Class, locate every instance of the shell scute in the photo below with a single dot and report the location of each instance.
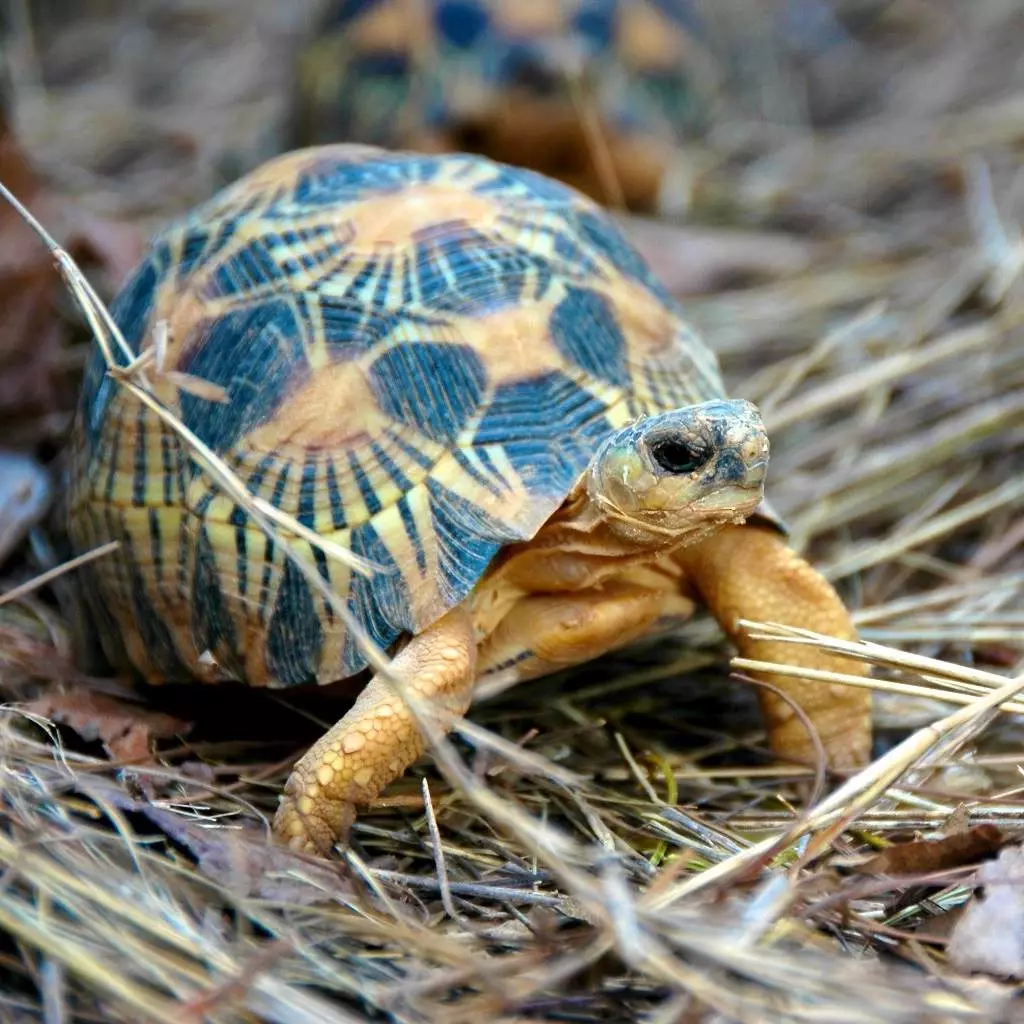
(460, 270)
(585, 329)
(467, 540)
(511, 424)
(212, 624)
(425, 392)
(295, 635)
(256, 354)
(381, 602)
(434, 387)
(603, 236)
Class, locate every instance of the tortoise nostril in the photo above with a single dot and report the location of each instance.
(676, 456)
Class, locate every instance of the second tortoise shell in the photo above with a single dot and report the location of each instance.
(416, 356)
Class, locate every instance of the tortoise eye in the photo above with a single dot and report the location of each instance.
(675, 456)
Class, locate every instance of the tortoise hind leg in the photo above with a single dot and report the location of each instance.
(748, 572)
(378, 738)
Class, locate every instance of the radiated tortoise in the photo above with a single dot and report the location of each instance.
(462, 373)
(597, 93)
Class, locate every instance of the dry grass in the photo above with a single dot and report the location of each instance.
(614, 844)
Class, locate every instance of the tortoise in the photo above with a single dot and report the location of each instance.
(461, 372)
(493, 77)
(611, 96)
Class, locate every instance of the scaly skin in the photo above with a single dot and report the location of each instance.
(378, 739)
(748, 572)
(739, 572)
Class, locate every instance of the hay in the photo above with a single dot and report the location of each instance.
(614, 844)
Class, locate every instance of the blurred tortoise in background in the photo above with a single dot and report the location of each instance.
(460, 372)
(509, 79)
(606, 95)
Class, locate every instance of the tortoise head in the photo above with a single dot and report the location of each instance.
(681, 472)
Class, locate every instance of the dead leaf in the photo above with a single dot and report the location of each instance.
(34, 384)
(989, 937)
(927, 856)
(126, 731)
(241, 858)
(249, 864)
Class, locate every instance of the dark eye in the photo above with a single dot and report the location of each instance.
(676, 456)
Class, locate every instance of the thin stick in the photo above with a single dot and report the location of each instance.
(436, 848)
(43, 578)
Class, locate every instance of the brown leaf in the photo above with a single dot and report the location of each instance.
(125, 730)
(926, 856)
(33, 374)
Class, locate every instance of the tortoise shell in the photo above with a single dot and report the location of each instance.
(416, 356)
(490, 76)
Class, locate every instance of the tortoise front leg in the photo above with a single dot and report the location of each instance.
(545, 633)
(378, 738)
(748, 572)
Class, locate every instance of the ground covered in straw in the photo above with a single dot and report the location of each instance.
(615, 844)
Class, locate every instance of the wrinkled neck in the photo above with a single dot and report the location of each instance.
(586, 523)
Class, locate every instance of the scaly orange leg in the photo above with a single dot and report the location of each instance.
(748, 572)
(548, 632)
(378, 738)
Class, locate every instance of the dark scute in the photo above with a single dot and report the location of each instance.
(549, 408)
(256, 355)
(549, 428)
(393, 470)
(433, 387)
(193, 246)
(460, 270)
(333, 180)
(413, 533)
(133, 306)
(338, 519)
(363, 482)
(213, 628)
(461, 23)
(380, 602)
(351, 326)
(604, 236)
(530, 184)
(251, 268)
(467, 539)
(131, 311)
(284, 469)
(97, 391)
(595, 23)
(488, 481)
(294, 635)
(584, 327)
